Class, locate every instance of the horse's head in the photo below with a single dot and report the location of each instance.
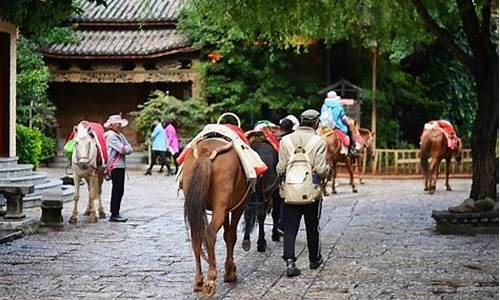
(354, 128)
(82, 155)
(367, 136)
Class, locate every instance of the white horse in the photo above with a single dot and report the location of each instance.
(84, 164)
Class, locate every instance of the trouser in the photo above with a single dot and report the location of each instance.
(117, 189)
(291, 221)
(163, 157)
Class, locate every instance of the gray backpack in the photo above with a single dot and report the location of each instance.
(298, 187)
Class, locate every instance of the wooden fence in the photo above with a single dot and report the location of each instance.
(398, 161)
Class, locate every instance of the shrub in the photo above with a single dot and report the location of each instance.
(29, 145)
(33, 147)
(189, 116)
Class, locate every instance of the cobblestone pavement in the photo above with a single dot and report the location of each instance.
(378, 244)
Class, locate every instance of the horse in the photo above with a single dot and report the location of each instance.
(366, 138)
(84, 163)
(266, 194)
(213, 178)
(434, 145)
(333, 156)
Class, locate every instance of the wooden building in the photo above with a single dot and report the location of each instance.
(121, 53)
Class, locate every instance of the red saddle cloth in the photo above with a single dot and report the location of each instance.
(447, 128)
(235, 128)
(344, 138)
(98, 132)
(268, 135)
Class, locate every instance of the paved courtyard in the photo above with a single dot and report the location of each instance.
(378, 244)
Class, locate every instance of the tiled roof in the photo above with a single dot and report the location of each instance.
(121, 43)
(130, 11)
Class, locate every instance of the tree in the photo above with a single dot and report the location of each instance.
(394, 25)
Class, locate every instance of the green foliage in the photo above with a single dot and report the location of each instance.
(250, 79)
(33, 105)
(29, 145)
(34, 147)
(189, 116)
(39, 16)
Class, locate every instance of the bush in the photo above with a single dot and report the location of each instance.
(33, 147)
(189, 116)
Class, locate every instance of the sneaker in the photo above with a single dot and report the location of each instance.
(315, 265)
(291, 269)
(118, 218)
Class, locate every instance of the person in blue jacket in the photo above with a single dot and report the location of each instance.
(158, 147)
(333, 116)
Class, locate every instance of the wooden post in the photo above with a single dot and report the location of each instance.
(374, 90)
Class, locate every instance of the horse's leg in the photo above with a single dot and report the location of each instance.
(76, 197)
(198, 278)
(230, 239)
(249, 215)
(261, 217)
(358, 166)
(100, 180)
(333, 175)
(92, 183)
(351, 174)
(434, 168)
(88, 210)
(448, 188)
(218, 217)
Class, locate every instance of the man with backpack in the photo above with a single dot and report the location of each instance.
(302, 163)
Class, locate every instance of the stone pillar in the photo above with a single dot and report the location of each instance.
(52, 204)
(14, 195)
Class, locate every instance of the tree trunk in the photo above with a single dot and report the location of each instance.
(485, 130)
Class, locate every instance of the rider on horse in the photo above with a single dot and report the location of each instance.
(333, 116)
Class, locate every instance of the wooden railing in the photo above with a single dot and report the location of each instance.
(399, 161)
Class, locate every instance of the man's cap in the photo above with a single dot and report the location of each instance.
(310, 115)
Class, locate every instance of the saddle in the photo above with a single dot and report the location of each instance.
(344, 138)
(250, 160)
(444, 126)
(264, 135)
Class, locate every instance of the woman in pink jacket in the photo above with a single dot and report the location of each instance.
(173, 143)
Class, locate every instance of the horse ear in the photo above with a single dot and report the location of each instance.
(74, 128)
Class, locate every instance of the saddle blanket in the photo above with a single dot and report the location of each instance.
(452, 139)
(344, 138)
(266, 134)
(250, 160)
(97, 132)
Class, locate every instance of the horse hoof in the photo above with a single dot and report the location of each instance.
(426, 189)
(209, 288)
(93, 219)
(334, 192)
(431, 192)
(275, 237)
(230, 277)
(326, 194)
(245, 245)
(102, 215)
(354, 190)
(198, 286)
(448, 189)
(86, 213)
(72, 220)
(261, 247)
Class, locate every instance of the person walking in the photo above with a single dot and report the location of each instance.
(159, 147)
(118, 147)
(173, 144)
(305, 138)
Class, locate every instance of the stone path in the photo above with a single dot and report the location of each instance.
(378, 244)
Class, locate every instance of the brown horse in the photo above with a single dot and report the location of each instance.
(213, 179)
(366, 148)
(433, 145)
(333, 156)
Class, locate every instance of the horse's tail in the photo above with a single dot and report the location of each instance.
(424, 157)
(196, 200)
